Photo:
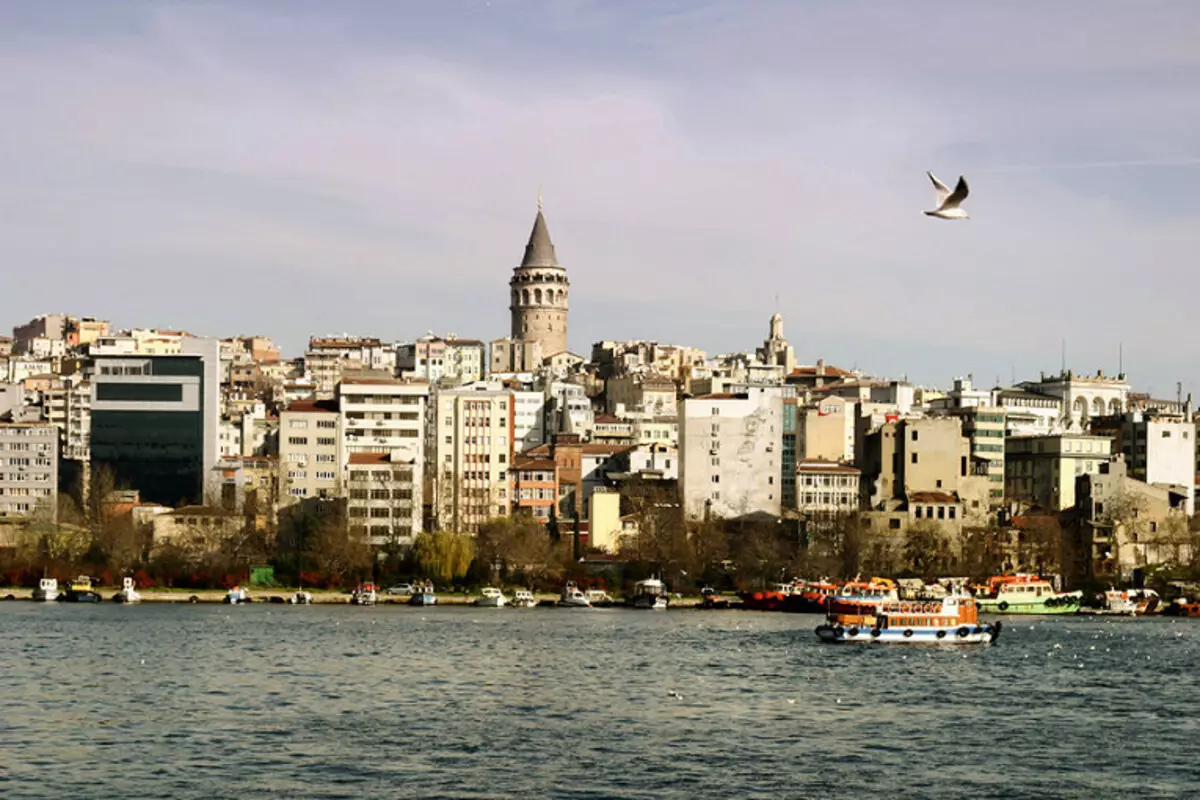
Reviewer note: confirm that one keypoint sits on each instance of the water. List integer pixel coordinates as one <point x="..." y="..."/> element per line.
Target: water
<point x="340" y="702"/>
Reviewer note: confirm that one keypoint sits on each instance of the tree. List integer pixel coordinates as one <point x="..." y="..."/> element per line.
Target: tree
<point x="444" y="556"/>
<point x="926" y="551"/>
<point x="337" y="553"/>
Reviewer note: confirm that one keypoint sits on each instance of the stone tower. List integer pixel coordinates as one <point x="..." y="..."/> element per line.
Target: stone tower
<point x="539" y="293"/>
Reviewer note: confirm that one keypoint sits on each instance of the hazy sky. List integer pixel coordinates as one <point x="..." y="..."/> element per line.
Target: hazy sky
<point x="373" y="167"/>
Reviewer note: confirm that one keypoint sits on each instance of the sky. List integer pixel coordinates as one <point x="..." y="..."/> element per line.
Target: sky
<point x="373" y="167"/>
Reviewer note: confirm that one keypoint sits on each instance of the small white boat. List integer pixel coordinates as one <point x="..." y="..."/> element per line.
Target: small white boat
<point x="650" y="594"/>
<point x="523" y="598"/>
<point x="599" y="598"/>
<point x="46" y="591"/>
<point x="236" y="596"/>
<point x="364" y="595"/>
<point x="128" y="593"/>
<point x="571" y="597"/>
<point x="491" y="597"/>
<point x="1133" y="602"/>
<point x="301" y="598"/>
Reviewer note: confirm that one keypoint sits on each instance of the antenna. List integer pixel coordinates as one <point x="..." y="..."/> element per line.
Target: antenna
<point x="1120" y="358"/>
<point x="1013" y="367"/>
<point x="539" y="199"/>
<point x="1064" y="356"/>
<point x="1179" y="392"/>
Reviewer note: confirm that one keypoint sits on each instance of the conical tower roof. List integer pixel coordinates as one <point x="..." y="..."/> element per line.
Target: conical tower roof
<point x="540" y="250"/>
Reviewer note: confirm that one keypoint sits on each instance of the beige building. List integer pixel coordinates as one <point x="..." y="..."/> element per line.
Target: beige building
<point x="1041" y="470"/>
<point x="984" y="426"/>
<point x="730" y="451"/>
<point x="310" y="451"/>
<point x="826" y="488"/>
<point x="604" y="521"/>
<point x="28" y="469"/>
<point x="775" y="350"/>
<point x="474" y="448"/>
<point x="826" y="430"/>
<point x="384" y="499"/>
<point x="641" y="393"/>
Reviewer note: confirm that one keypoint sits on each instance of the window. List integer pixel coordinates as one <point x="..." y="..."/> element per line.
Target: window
<point x="298" y="424"/>
<point x="941" y="512"/>
<point x="325" y="458"/>
<point x="298" y="440"/>
<point x="327" y="423"/>
<point x="894" y="524"/>
<point x="325" y="441"/>
<point x="326" y="476"/>
<point x="951" y="512"/>
<point x="914" y="458"/>
<point x="716" y="462"/>
<point x="918" y="512"/>
<point x="1166" y="434"/>
<point x="939" y="484"/>
<point x="771" y="480"/>
<point x="716" y="478"/>
<point x="915" y="435"/>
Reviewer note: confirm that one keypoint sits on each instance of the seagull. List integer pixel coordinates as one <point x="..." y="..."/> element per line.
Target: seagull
<point x="948" y="201"/>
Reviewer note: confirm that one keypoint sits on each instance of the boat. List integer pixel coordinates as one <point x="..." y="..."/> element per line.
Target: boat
<point x="81" y="590"/>
<point x="491" y="597"/>
<point x="423" y="596"/>
<point x="1180" y="607"/>
<point x="1026" y="594"/>
<point x="809" y="597"/>
<point x="1131" y="602"/>
<point x="128" y="593"/>
<point x="953" y="620"/>
<point x="649" y="594"/>
<point x="711" y="598"/>
<point x="237" y="596"/>
<point x="854" y="596"/>
<point x="46" y="591"/>
<point x="599" y="598"/>
<point x="301" y="598"/>
<point x="571" y="597"/>
<point x="773" y="599"/>
<point x="363" y="595"/>
<point x="523" y="598"/>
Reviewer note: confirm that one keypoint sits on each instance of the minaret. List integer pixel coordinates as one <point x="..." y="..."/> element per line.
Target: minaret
<point x="539" y="293"/>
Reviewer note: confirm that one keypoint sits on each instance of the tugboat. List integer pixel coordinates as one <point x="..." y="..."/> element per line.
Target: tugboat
<point x="128" y="593"/>
<point x="1026" y="594"/>
<point x="857" y="595"/>
<point x="773" y="599"/>
<point x="953" y="620"/>
<point x="363" y="595"/>
<point x="47" y="591"/>
<point x="1132" y="602"/>
<point x="651" y="594"/>
<point x="809" y="597"/>
<point x="81" y="591"/>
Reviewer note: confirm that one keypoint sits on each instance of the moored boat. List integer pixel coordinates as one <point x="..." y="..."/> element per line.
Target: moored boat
<point x="1180" y="607"/>
<point x="491" y="597"/>
<point x="856" y="596"/>
<point x="301" y="598"/>
<point x="571" y="597"/>
<point x="1131" y="602"/>
<point x="772" y="599"/>
<point x="809" y="597"/>
<point x="952" y="620"/>
<point x="649" y="594"/>
<point x="237" y="596"/>
<point x="128" y="593"/>
<point x="363" y="595"/>
<point x="1026" y="594"/>
<point x="81" y="590"/>
<point x="46" y="591"/>
<point x="423" y="596"/>
<point x="523" y="598"/>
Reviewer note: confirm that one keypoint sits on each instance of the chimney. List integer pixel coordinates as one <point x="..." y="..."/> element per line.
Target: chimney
<point x="820" y="366"/>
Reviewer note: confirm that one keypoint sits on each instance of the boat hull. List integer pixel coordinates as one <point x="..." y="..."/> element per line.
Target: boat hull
<point x="646" y="602"/>
<point x="82" y="597"/>
<point x="946" y="635"/>
<point x="491" y="602"/>
<point x="42" y="596"/>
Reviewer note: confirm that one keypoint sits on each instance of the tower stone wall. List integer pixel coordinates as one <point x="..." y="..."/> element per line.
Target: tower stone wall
<point x="539" y="292"/>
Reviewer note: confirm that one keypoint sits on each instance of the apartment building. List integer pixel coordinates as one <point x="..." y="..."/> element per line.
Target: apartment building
<point x="474" y="448"/>
<point x="384" y="499"/>
<point x="28" y="469"/>
<point x="1042" y="470"/>
<point x="310" y="451"/>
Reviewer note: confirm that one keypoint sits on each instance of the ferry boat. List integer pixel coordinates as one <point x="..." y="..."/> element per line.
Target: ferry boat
<point x="491" y="597"/>
<point x="1026" y="594"/>
<point x="236" y="596"/>
<point x="952" y="620"/>
<point x="523" y="598"/>
<point x="363" y="595"/>
<point x="571" y="597"/>
<point x="1132" y="602"/>
<point x="46" y="591"/>
<point x="649" y="594"/>
<point x="128" y="593"/>
<point x="81" y="591"/>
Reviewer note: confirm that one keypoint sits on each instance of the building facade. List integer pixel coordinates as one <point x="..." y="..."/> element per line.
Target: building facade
<point x="28" y="470"/>
<point x="1042" y="470"/>
<point x="473" y="447"/>
<point x="310" y="451"/>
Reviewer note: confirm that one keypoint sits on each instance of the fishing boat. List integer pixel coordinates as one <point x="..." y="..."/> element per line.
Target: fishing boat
<point x="46" y="591"/>
<point x="1131" y="602"/>
<point x="1026" y="594"/>
<point x="81" y="590"/>
<point x="237" y="596"/>
<point x="128" y="593"/>
<point x="571" y="597"/>
<point x="363" y="595"/>
<point x="953" y="620"/>
<point x="523" y="598"/>
<point x="650" y="593"/>
<point x="491" y="597"/>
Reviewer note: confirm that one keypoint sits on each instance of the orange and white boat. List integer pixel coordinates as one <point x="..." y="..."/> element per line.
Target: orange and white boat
<point x="952" y="620"/>
<point x="1134" y="602"/>
<point x="810" y="597"/>
<point x="856" y="596"/>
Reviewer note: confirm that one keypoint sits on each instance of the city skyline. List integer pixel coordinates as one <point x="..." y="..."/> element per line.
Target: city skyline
<point x="375" y="169"/>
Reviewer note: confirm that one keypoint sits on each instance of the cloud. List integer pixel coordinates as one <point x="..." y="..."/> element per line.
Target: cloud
<point x="696" y="163"/>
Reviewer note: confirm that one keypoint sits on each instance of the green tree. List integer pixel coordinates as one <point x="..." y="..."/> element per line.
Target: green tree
<point x="444" y="556"/>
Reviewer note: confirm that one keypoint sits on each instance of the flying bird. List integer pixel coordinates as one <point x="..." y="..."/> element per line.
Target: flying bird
<point x="948" y="202"/>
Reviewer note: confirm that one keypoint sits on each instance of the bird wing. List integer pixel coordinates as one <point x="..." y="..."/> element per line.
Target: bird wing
<point x="939" y="188"/>
<point x="960" y="193"/>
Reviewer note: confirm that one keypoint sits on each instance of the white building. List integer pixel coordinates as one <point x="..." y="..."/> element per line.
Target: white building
<point x="28" y="469"/>
<point x="1160" y="450"/>
<point x="384" y="501"/>
<point x="1083" y="398"/>
<point x="730" y="450"/>
<point x="826" y="488"/>
<point x="473" y="444"/>
<point x="529" y="420"/>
